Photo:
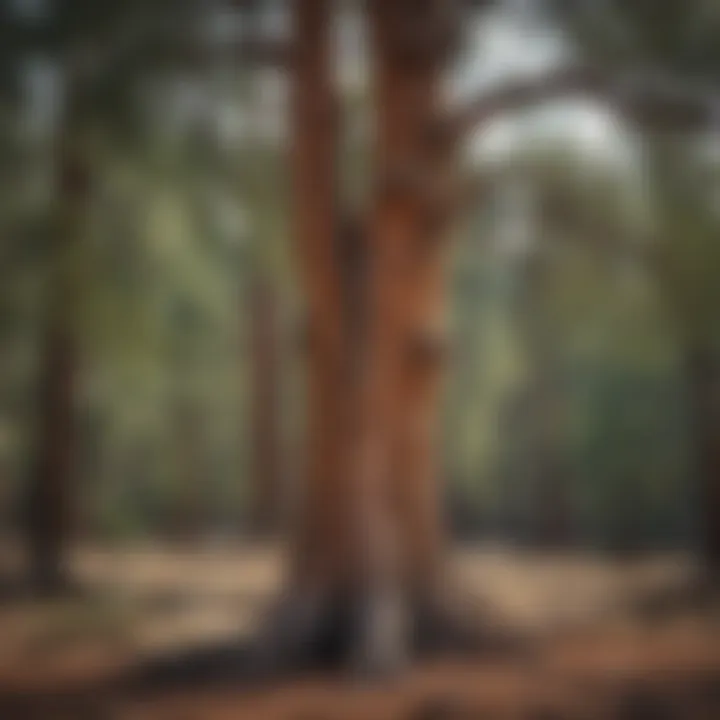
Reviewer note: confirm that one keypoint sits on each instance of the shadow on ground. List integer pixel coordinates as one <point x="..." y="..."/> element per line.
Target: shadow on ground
<point x="121" y="667"/>
<point x="221" y="681"/>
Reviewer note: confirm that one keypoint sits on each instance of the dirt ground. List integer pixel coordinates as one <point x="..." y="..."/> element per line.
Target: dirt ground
<point x="629" y="640"/>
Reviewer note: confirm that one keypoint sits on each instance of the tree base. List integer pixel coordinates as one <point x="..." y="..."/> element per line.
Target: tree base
<point x="375" y="636"/>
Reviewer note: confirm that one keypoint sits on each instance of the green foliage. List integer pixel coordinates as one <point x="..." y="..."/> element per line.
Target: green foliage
<point x="674" y="35"/>
<point x="579" y="334"/>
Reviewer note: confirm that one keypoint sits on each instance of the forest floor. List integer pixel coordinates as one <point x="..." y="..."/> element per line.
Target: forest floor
<point x="611" y="640"/>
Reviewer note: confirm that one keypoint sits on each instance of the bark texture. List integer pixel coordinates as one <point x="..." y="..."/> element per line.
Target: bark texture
<point x="365" y="578"/>
<point x="314" y="176"/>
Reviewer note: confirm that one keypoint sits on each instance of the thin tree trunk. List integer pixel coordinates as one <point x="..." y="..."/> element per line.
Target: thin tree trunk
<point x="409" y="292"/>
<point x="266" y="490"/>
<point x="703" y="388"/>
<point x="551" y="486"/>
<point x="50" y="501"/>
<point x="189" y="513"/>
<point x="51" y="497"/>
<point x="551" y="521"/>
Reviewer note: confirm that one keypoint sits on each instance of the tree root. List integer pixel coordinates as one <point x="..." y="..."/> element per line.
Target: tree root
<point x="376" y="636"/>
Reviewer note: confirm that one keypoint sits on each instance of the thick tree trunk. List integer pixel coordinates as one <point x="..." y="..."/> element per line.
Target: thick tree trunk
<point x="368" y="545"/>
<point x="319" y="535"/>
<point x="265" y="421"/>
<point x="702" y="366"/>
<point x="408" y="293"/>
<point x="313" y="617"/>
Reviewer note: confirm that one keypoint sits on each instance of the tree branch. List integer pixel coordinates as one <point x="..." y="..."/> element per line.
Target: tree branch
<point x="651" y="101"/>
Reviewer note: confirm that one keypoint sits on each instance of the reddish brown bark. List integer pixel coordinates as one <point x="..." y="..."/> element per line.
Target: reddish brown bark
<point x="374" y="372"/>
<point x="318" y="541"/>
<point x="369" y="541"/>
<point x="414" y="168"/>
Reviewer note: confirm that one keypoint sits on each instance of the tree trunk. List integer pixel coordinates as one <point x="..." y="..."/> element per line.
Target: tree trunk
<point x="265" y="425"/>
<point x="319" y="532"/>
<point x="190" y="503"/>
<point x="703" y="388"/>
<point x="407" y="296"/>
<point x="50" y="506"/>
<point x="368" y="545"/>
<point x="551" y="485"/>
<point x="543" y="411"/>
<point x="50" y="500"/>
